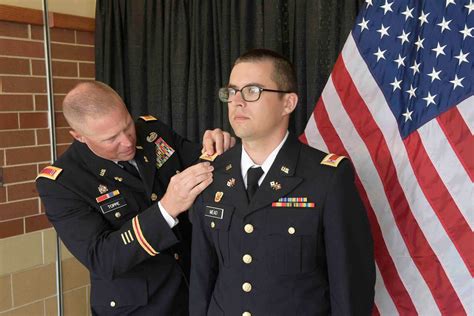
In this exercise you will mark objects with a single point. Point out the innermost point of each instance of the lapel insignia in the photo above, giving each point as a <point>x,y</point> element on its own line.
<point>102,189</point>
<point>107,196</point>
<point>218,196</point>
<point>147,118</point>
<point>102,172</point>
<point>293,202</point>
<point>285,169</point>
<point>231,182</point>
<point>275,185</point>
<point>139,147</point>
<point>163,152</point>
<point>119,179</point>
<point>145,158</point>
<point>207,157</point>
<point>228,167</point>
<point>151,137</point>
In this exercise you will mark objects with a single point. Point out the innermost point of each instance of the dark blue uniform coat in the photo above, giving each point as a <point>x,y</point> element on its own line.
<point>137,263</point>
<point>265,259</point>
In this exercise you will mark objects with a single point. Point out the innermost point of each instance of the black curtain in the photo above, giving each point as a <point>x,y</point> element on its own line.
<point>169,57</point>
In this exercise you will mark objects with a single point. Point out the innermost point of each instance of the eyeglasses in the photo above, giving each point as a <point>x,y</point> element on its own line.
<point>249,93</point>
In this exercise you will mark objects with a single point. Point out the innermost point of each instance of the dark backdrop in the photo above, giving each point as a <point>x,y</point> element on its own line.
<point>169,57</point>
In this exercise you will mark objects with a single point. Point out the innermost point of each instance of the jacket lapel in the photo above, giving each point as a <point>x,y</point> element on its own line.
<point>280,179</point>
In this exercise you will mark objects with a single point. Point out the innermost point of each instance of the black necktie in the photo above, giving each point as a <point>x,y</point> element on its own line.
<point>130,168</point>
<point>253,175</point>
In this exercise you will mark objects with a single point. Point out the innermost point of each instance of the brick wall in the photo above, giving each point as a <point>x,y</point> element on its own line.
<point>24,132</point>
<point>27,243</point>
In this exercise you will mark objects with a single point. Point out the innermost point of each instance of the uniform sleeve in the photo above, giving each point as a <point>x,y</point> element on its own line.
<point>349,246</point>
<point>105,251</point>
<point>204,264</point>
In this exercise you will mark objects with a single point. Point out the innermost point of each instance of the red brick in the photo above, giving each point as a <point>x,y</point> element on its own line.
<point>8,121</point>
<point>41,102</point>
<point>60,120</point>
<point>19,173</point>
<point>86,70</point>
<point>3,194</point>
<point>20,48</point>
<point>17,138</point>
<point>37,222</point>
<point>11,29</point>
<point>59,68</point>
<point>23,84</point>
<point>21,191</point>
<point>2,158</point>
<point>11,228</point>
<point>33,120</point>
<point>16,102</point>
<point>62,35</point>
<point>62,136</point>
<point>14,66</point>
<point>61,149</point>
<point>86,38</point>
<point>23,155</point>
<point>18,209</point>
<point>72,52</point>
<point>37,32</point>
<point>65,85</point>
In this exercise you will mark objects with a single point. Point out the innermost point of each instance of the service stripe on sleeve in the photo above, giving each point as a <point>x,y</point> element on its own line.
<point>141,239</point>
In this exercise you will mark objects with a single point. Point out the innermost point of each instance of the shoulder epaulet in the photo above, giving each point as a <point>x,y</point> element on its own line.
<point>207,157</point>
<point>49,172</point>
<point>332,160</point>
<point>147,118</point>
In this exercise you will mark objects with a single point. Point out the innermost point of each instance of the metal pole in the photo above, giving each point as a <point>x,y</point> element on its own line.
<point>52,136</point>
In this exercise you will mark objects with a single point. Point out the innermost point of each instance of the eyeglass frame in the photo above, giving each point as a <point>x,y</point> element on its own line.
<point>247,86</point>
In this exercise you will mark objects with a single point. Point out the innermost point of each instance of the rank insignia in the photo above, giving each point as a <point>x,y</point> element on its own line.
<point>285,169</point>
<point>147,118</point>
<point>228,167</point>
<point>151,137</point>
<point>275,185</point>
<point>293,202</point>
<point>138,147</point>
<point>218,196</point>
<point>102,172</point>
<point>119,179</point>
<point>102,189</point>
<point>205,156</point>
<point>49,172</point>
<point>332,160</point>
<point>163,152</point>
<point>231,182</point>
<point>107,196</point>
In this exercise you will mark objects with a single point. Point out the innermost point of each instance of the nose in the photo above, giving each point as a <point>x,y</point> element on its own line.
<point>237,99</point>
<point>126,140</point>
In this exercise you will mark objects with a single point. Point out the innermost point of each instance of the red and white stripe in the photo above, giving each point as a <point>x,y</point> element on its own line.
<point>418,191</point>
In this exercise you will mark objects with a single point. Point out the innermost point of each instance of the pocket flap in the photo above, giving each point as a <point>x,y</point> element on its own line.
<point>293,221</point>
<point>120,292</point>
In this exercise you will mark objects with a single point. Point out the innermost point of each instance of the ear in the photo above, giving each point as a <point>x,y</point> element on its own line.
<point>76,136</point>
<point>291,100</point>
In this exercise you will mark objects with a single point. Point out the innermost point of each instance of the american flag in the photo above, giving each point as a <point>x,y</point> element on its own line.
<point>400,104</point>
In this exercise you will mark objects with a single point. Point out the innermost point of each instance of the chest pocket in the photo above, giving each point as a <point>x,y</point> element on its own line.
<point>118,209</point>
<point>291,240</point>
<point>217,219</point>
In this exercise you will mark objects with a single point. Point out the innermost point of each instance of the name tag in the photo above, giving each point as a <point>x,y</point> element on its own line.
<point>214,212</point>
<point>113,205</point>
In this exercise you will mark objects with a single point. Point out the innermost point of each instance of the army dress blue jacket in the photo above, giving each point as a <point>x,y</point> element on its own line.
<point>110,221</point>
<point>302,246</point>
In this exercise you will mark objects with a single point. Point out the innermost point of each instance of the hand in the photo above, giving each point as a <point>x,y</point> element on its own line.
<point>185,186</point>
<point>216,141</point>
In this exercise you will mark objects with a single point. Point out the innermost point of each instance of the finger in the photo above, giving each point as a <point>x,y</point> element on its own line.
<point>195,169</point>
<point>218,137</point>
<point>233,141</point>
<point>227,139</point>
<point>200,187</point>
<point>191,182</point>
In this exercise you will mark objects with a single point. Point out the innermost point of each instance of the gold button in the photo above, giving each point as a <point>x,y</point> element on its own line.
<point>112,304</point>
<point>117,215</point>
<point>291,230</point>
<point>247,258</point>
<point>248,228</point>
<point>154,197</point>
<point>176,256</point>
<point>213,224</point>
<point>247,287</point>
<point>246,314</point>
